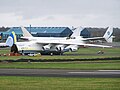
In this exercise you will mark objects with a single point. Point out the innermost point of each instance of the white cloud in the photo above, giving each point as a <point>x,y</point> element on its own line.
<point>99,13</point>
<point>8,19</point>
<point>94,20</point>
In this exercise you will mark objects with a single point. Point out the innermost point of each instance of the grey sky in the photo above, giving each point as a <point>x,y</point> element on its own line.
<point>94,13</point>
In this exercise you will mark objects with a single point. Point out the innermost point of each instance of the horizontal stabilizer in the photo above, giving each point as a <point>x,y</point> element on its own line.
<point>108,36</point>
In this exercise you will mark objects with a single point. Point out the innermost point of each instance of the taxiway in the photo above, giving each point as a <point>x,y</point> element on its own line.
<point>61,73</point>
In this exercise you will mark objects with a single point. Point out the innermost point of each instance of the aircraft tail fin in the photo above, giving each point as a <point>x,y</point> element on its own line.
<point>109,35</point>
<point>25,32</point>
<point>77,31</point>
<point>11,39</point>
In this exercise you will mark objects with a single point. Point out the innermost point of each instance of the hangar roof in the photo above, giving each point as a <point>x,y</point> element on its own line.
<point>17,30</point>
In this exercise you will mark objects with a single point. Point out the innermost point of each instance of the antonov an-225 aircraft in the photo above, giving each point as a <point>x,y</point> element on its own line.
<point>48,45</point>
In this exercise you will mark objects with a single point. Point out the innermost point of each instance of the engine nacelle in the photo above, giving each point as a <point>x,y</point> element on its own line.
<point>72,48</point>
<point>60,47</point>
<point>47,47</point>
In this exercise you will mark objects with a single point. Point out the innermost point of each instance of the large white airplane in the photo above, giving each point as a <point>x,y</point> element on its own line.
<point>51,44</point>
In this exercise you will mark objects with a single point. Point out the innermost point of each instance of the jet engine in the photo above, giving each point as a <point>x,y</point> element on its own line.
<point>60,47</point>
<point>47,47</point>
<point>72,48</point>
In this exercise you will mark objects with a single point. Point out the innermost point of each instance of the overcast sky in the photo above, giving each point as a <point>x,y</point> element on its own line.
<point>88,13</point>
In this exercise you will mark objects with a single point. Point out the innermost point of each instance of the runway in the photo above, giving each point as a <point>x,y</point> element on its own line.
<point>61,73</point>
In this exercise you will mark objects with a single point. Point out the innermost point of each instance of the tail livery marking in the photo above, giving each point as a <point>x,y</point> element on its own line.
<point>108,35</point>
<point>11,39</point>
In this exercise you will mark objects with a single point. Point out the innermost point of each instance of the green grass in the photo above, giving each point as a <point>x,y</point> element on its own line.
<point>4,50</point>
<point>83,53</point>
<point>49,83</point>
<point>95,50</point>
<point>82,65</point>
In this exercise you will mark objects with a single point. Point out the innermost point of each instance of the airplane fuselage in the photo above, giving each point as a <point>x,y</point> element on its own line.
<point>32,45</point>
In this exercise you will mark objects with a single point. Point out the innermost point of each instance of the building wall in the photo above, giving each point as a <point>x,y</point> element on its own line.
<point>116,33</point>
<point>85,33</point>
<point>66,33</point>
<point>39,32</point>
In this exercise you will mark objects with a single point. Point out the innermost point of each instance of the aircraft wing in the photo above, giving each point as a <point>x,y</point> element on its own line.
<point>94,38</point>
<point>70,43</point>
<point>27,38</point>
<point>3,45</point>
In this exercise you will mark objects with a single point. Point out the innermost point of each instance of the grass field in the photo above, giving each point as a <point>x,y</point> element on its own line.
<point>56,83</point>
<point>82,65</point>
<point>82,53</point>
<point>49,83</point>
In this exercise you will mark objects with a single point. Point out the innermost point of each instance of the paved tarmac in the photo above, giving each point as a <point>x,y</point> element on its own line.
<point>61,73</point>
